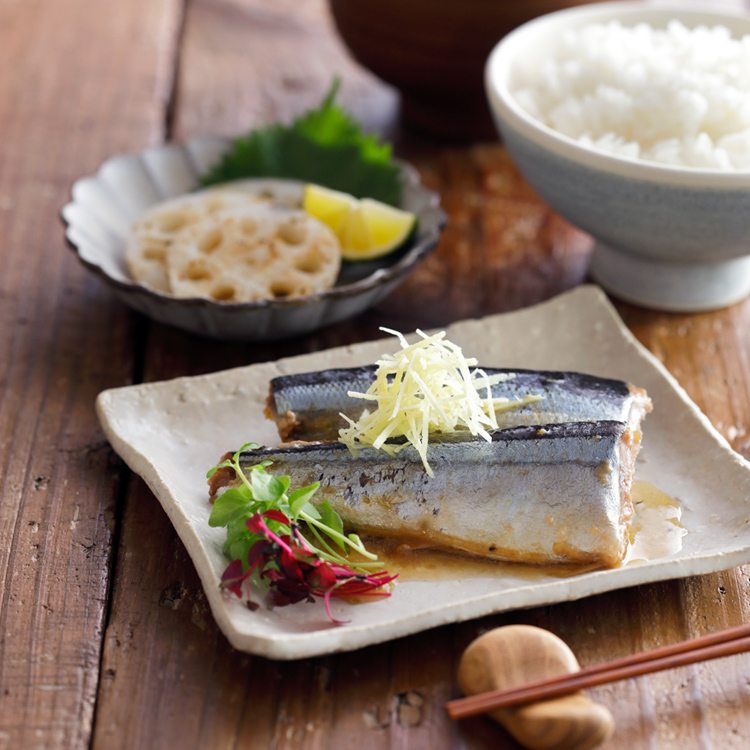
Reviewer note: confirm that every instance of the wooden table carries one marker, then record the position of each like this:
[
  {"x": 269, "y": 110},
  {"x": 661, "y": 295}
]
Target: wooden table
[{"x": 106, "y": 640}]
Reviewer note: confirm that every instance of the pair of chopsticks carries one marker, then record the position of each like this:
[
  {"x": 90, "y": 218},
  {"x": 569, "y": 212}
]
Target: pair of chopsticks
[{"x": 712, "y": 646}]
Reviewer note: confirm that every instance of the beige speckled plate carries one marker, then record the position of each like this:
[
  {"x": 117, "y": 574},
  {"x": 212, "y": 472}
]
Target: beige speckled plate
[{"x": 170, "y": 433}]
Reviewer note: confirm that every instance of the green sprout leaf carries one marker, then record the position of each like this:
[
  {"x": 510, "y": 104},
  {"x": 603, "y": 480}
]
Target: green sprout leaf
[
  {"x": 236, "y": 530},
  {"x": 213, "y": 471},
  {"x": 255, "y": 491},
  {"x": 230, "y": 506},
  {"x": 238, "y": 548},
  {"x": 325, "y": 146},
  {"x": 245, "y": 447},
  {"x": 301, "y": 498},
  {"x": 333, "y": 520},
  {"x": 285, "y": 482},
  {"x": 311, "y": 512},
  {"x": 267, "y": 488}
]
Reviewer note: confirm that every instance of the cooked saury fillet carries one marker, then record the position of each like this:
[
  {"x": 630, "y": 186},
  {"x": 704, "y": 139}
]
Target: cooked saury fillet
[
  {"x": 307, "y": 406},
  {"x": 557, "y": 493}
]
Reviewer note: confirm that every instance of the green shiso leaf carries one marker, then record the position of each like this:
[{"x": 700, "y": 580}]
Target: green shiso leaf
[{"x": 325, "y": 146}]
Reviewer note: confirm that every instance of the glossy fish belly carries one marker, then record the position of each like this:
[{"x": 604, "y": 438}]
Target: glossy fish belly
[
  {"x": 308, "y": 406},
  {"x": 557, "y": 493}
]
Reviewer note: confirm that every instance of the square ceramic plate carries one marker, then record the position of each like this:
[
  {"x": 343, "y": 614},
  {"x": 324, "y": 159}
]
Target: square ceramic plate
[{"x": 171, "y": 433}]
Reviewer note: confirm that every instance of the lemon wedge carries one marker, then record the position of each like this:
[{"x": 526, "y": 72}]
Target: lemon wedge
[{"x": 366, "y": 228}]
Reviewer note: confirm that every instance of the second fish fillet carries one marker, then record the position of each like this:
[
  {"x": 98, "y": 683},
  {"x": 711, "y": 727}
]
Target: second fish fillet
[{"x": 558, "y": 493}]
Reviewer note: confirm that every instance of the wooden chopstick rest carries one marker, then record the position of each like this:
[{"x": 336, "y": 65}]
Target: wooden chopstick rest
[
  {"x": 714, "y": 645},
  {"x": 516, "y": 655}
]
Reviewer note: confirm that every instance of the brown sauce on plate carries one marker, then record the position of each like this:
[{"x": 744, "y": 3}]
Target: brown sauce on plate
[
  {"x": 656, "y": 531},
  {"x": 413, "y": 563}
]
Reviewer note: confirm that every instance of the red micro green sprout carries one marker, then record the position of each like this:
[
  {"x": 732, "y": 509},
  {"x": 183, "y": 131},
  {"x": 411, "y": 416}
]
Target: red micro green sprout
[
  {"x": 293, "y": 570},
  {"x": 266, "y": 542}
]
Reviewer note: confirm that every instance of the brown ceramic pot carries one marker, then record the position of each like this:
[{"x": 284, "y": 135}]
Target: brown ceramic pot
[{"x": 434, "y": 52}]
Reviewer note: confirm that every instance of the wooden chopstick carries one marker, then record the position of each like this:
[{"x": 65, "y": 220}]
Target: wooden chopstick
[{"x": 711, "y": 646}]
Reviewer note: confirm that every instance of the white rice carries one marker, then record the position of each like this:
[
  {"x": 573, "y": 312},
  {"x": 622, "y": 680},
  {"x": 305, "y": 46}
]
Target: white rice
[{"x": 675, "y": 96}]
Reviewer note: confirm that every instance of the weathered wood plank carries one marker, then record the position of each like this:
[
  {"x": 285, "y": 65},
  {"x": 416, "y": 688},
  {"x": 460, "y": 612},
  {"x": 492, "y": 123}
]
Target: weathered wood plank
[
  {"x": 78, "y": 82},
  {"x": 708, "y": 354}
]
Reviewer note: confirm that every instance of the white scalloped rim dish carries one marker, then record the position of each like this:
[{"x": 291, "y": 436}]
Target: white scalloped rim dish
[
  {"x": 105, "y": 206},
  {"x": 171, "y": 432}
]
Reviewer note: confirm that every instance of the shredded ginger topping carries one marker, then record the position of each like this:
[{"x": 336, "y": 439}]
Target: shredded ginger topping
[{"x": 427, "y": 388}]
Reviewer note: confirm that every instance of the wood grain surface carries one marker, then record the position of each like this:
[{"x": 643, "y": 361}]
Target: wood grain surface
[
  {"x": 78, "y": 81},
  {"x": 106, "y": 640}
]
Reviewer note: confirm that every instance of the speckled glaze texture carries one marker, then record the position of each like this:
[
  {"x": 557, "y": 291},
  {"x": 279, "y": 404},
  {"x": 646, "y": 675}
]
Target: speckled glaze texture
[
  {"x": 673, "y": 238},
  {"x": 170, "y": 433},
  {"x": 104, "y": 206}
]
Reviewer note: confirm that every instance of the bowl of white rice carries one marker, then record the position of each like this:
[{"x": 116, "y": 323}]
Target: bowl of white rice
[{"x": 633, "y": 122}]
